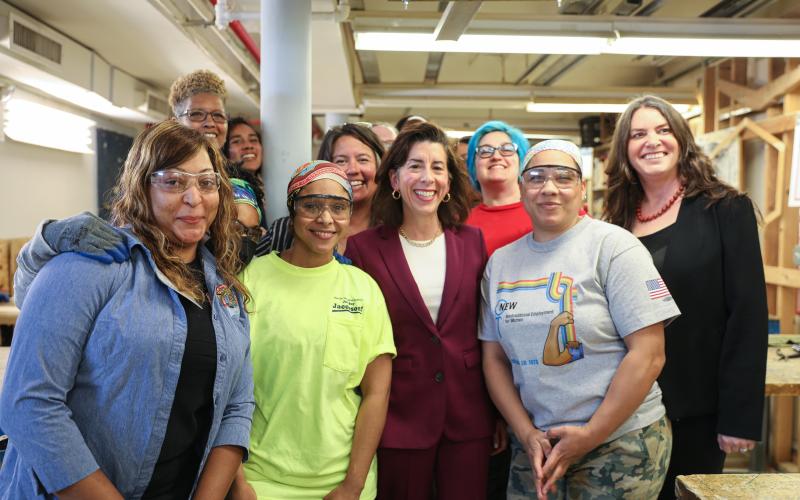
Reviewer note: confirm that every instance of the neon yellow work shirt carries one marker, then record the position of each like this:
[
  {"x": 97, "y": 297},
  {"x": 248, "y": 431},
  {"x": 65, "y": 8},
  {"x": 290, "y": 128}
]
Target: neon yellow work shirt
[{"x": 313, "y": 332}]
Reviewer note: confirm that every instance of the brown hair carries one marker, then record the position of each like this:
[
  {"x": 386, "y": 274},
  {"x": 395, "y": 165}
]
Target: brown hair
[
  {"x": 167, "y": 145},
  {"x": 694, "y": 168},
  {"x": 387, "y": 210},
  {"x": 361, "y": 134},
  {"x": 201, "y": 81}
]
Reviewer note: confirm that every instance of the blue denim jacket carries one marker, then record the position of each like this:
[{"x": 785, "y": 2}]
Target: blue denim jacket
[{"x": 93, "y": 368}]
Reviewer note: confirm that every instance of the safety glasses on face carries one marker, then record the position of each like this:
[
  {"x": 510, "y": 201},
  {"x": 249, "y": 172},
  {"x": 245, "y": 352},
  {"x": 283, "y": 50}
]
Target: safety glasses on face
[
  {"x": 199, "y": 116},
  {"x": 251, "y": 233},
  {"x": 175, "y": 181},
  {"x": 486, "y": 151},
  {"x": 562, "y": 176},
  {"x": 311, "y": 206}
]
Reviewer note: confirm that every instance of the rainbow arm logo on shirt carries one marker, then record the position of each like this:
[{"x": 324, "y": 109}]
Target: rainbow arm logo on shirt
[{"x": 561, "y": 345}]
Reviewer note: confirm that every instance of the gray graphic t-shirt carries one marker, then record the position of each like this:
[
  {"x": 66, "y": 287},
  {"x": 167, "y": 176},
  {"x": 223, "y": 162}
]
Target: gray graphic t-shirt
[{"x": 561, "y": 309}]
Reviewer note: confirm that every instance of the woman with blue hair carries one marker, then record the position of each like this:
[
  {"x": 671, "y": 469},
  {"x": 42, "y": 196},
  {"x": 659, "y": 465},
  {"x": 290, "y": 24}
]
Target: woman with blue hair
[
  {"x": 494, "y": 155},
  {"x": 493, "y": 158}
]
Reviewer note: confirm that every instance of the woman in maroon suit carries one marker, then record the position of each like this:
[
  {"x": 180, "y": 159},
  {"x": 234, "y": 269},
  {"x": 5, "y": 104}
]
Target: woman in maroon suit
[{"x": 429, "y": 266}]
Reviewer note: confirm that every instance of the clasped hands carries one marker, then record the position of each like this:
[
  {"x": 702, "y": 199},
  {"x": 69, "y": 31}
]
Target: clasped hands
[{"x": 552, "y": 452}]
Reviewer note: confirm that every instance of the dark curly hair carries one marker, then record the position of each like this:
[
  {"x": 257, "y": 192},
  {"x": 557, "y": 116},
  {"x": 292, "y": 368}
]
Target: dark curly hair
[
  {"x": 233, "y": 122},
  {"x": 694, "y": 168},
  {"x": 387, "y": 210}
]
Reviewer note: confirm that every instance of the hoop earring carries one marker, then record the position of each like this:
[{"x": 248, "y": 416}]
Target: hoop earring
[
  {"x": 446, "y": 198},
  {"x": 396, "y": 194}
]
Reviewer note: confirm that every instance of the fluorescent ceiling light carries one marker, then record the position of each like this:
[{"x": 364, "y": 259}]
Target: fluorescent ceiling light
[
  {"x": 34, "y": 123},
  {"x": 617, "y": 43},
  {"x": 563, "y": 107},
  {"x": 705, "y": 47},
  {"x": 498, "y": 44},
  {"x": 79, "y": 96}
]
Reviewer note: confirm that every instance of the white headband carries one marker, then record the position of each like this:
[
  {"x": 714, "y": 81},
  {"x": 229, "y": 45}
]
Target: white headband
[{"x": 555, "y": 145}]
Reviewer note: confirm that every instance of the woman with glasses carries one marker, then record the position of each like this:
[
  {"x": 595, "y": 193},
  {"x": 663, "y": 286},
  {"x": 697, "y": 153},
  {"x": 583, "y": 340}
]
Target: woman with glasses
[
  {"x": 247, "y": 196},
  {"x": 358, "y": 152},
  {"x": 573, "y": 339},
  {"x": 703, "y": 236},
  {"x": 133, "y": 379},
  {"x": 428, "y": 265},
  {"x": 198, "y": 102},
  {"x": 493, "y": 157},
  {"x": 322, "y": 347}
]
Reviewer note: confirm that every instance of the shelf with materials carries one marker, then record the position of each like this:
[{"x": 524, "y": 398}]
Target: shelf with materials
[{"x": 596, "y": 184}]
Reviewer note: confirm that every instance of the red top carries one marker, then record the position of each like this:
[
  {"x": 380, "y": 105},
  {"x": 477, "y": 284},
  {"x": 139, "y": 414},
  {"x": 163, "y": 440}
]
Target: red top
[{"x": 501, "y": 225}]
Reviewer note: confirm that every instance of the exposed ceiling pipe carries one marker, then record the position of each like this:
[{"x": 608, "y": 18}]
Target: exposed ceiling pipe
[{"x": 226, "y": 18}]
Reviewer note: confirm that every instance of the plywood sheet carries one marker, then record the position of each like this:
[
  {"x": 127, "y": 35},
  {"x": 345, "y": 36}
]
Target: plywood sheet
[{"x": 738, "y": 486}]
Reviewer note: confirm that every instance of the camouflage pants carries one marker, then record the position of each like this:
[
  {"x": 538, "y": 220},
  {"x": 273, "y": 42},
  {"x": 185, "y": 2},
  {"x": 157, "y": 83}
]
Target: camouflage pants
[{"x": 633, "y": 466}]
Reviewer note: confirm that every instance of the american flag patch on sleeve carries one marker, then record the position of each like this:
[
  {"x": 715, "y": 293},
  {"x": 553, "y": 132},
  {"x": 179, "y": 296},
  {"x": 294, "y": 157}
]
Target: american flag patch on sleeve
[{"x": 657, "y": 289}]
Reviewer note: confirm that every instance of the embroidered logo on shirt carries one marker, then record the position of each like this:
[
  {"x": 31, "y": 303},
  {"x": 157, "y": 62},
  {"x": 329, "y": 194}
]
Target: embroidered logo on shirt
[
  {"x": 657, "y": 289},
  {"x": 344, "y": 304},
  {"x": 226, "y": 296}
]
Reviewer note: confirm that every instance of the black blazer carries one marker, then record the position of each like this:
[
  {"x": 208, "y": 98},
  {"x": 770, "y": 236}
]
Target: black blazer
[{"x": 717, "y": 348}]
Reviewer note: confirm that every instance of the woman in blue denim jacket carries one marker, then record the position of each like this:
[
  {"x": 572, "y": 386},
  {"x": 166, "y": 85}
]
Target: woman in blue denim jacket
[{"x": 133, "y": 380}]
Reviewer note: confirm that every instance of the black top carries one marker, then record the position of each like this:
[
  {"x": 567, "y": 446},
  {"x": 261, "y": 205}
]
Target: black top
[
  {"x": 278, "y": 238},
  {"x": 657, "y": 243},
  {"x": 192, "y": 410},
  {"x": 716, "y": 350}
]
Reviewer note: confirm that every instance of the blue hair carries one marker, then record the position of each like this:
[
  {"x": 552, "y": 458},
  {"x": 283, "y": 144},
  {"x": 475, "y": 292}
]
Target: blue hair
[{"x": 516, "y": 135}]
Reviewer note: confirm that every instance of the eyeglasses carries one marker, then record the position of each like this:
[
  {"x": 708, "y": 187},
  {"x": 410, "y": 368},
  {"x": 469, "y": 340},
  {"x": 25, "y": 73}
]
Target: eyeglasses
[
  {"x": 199, "y": 116},
  {"x": 562, "y": 177},
  {"x": 251, "y": 233},
  {"x": 486, "y": 151},
  {"x": 175, "y": 181},
  {"x": 311, "y": 206}
]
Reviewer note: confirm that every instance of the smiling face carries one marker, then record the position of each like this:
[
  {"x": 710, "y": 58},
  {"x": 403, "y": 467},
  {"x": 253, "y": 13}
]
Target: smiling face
[
  {"x": 552, "y": 210},
  {"x": 653, "y": 150},
  {"x": 315, "y": 238},
  {"x": 358, "y": 162},
  {"x": 497, "y": 169},
  {"x": 423, "y": 180},
  {"x": 244, "y": 146},
  {"x": 210, "y": 103},
  {"x": 185, "y": 217}
]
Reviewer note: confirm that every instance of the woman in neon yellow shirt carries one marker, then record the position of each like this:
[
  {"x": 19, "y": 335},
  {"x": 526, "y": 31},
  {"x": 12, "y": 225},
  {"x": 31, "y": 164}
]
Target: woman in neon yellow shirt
[{"x": 322, "y": 347}]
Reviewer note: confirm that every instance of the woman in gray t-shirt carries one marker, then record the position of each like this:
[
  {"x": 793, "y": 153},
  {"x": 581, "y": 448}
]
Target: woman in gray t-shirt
[{"x": 573, "y": 340}]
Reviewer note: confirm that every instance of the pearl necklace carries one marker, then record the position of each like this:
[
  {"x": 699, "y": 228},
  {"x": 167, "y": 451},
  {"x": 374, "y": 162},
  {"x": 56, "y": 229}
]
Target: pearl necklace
[
  {"x": 648, "y": 218},
  {"x": 415, "y": 243}
]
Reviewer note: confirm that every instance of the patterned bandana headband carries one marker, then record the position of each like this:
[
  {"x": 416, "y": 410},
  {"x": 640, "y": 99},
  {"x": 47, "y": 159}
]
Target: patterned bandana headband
[
  {"x": 243, "y": 193},
  {"x": 554, "y": 145},
  {"x": 314, "y": 171}
]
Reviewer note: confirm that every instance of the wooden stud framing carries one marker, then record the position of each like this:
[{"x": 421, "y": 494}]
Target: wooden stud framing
[
  {"x": 726, "y": 86},
  {"x": 710, "y": 104}
]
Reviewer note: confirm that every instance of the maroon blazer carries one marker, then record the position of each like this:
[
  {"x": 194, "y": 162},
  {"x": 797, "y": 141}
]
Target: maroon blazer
[{"x": 437, "y": 381}]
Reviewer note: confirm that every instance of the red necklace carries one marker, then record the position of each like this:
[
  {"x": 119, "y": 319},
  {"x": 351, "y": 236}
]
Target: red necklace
[{"x": 648, "y": 218}]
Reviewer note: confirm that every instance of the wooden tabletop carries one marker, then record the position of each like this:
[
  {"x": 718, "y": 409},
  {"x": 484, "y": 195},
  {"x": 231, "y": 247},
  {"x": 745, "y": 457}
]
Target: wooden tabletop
[
  {"x": 738, "y": 486},
  {"x": 783, "y": 377}
]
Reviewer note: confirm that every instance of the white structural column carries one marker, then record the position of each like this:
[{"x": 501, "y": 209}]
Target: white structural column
[{"x": 285, "y": 95}]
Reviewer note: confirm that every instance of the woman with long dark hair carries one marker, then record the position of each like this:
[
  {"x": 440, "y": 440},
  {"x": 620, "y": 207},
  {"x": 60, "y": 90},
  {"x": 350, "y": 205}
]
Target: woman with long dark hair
[
  {"x": 703, "y": 237},
  {"x": 428, "y": 264}
]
